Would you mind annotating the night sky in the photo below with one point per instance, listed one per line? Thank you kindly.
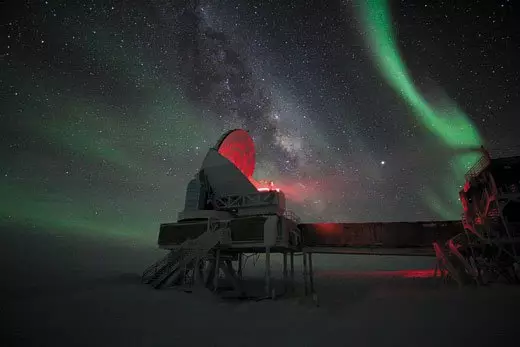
(360, 111)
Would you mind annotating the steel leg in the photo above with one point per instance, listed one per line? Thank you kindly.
(267, 271)
(292, 271)
(305, 273)
(285, 271)
(217, 270)
(311, 274)
(240, 264)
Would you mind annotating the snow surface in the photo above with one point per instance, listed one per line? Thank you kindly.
(70, 291)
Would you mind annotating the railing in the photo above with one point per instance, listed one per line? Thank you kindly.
(189, 250)
(478, 167)
(153, 269)
(292, 216)
(257, 199)
(157, 268)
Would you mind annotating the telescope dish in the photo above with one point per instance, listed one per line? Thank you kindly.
(238, 147)
(229, 166)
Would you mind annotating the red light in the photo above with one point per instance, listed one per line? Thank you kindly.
(464, 202)
(264, 186)
(328, 228)
(416, 273)
(238, 147)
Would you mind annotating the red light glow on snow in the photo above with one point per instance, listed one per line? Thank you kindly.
(416, 273)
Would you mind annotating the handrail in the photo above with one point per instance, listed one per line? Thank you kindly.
(152, 269)
(292, 216)
(155, 267)
(478, 167)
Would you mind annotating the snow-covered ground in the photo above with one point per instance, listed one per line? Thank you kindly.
(70, 291)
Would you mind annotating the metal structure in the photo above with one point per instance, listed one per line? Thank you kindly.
(396, 239)
(225, 216)
(489, 247)
(228, 214)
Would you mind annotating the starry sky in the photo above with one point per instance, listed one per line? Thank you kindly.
(360, 110)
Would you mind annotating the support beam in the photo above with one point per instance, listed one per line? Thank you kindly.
(197, 273)
(311, 273)
(304, 256)
(240, 265)
(267, 271)
(217, 270)
(285, 281)
(292, 271)
(209, 273)
(227, 267)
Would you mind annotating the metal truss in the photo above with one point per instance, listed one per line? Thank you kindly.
(489, 247)
(249, 200)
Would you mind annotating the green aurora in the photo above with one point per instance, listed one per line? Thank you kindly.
(446, 121)
(90, 130)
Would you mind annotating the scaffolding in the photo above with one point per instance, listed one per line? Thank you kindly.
(489, 248)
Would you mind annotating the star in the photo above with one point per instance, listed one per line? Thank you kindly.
(122, 107)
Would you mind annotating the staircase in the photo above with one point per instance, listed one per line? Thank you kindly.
(191, 250)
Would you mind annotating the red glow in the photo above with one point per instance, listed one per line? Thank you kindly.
(296, 192)
(238, 147)
(268, 189)
(416, 273)
(265, 186)
(464, 202)
(328, 228)
(317, 194)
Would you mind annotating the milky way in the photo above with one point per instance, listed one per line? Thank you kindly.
(109, 107)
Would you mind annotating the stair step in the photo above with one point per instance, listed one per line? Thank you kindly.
(189, 251)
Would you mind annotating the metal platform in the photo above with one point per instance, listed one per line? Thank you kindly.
(379, 235)
(383, 239)
(248, 234)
